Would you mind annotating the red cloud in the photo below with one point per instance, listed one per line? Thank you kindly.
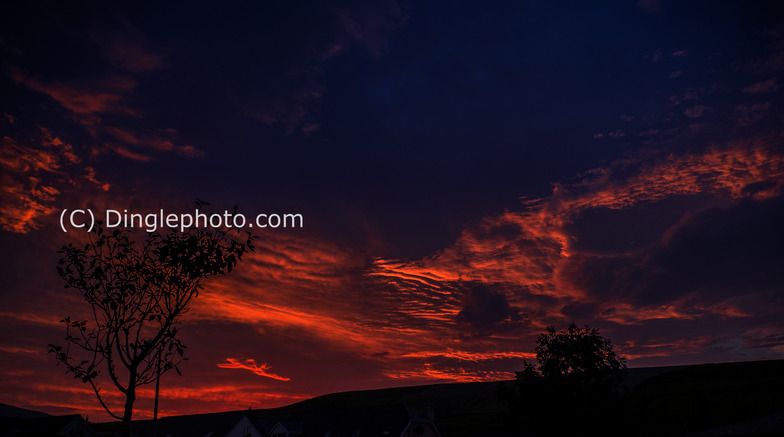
(529, 249)
(430, 373)
(80, 100)
(30, 178)
(250, 364)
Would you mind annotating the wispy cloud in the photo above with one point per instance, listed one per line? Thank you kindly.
(111, 95)
(32, 177)
(429, 373)
(766, 86)
(250, 364)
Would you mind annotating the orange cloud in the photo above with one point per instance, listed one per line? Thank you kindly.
(471, 356)
(340, 332)
(250, 364)
(30, 173)
(459, 374)
(529, 249)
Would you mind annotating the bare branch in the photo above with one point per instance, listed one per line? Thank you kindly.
(138, 292)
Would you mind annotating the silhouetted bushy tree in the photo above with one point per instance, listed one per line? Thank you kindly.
(575, 384)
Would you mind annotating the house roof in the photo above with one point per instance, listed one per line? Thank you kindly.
(290, 426)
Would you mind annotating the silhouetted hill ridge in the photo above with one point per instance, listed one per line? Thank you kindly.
(669, 400)
(672, 400)
(11, 411)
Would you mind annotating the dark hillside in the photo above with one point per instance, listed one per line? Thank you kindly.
(709, 395)
(660, 401)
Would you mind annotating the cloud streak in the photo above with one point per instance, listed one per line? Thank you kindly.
(250, 364)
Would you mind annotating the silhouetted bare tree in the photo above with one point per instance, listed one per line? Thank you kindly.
(138, 292)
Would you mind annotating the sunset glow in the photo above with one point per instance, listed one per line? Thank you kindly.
(465, 180)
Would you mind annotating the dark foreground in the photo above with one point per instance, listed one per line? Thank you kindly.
(736, 399)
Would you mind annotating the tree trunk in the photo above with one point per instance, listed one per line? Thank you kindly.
(130, 397)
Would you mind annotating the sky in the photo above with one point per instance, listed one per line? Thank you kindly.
(467, 176)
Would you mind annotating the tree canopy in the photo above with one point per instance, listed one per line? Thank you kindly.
(578, 354)
(574, 385)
